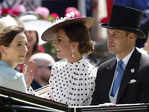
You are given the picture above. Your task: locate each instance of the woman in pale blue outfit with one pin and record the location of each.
(13, 49)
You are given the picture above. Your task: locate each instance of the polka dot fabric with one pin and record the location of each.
(72, 84)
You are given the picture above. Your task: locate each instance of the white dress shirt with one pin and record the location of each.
(125, 61)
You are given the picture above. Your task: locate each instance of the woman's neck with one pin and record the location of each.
(75, 58)
(13, 65)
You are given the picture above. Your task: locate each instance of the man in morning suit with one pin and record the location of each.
(124, 78)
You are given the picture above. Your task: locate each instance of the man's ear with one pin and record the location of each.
(132, 35)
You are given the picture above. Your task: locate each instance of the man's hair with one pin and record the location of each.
(42, 56)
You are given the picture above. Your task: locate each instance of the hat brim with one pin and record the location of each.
(140, 34)
(50, 33)
(38, 25)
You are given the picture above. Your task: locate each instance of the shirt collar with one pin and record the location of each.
(4, 63)
(126, 58)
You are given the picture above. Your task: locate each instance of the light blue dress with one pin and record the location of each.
(10, 78)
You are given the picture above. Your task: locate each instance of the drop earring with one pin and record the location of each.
(73, 53)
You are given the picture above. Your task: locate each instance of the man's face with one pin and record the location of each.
(118, 41)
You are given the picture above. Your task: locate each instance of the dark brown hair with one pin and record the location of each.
(35, 46)
(77, 32)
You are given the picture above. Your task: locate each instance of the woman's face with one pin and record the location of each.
(32, 38)
(16, 51)
(63, 45)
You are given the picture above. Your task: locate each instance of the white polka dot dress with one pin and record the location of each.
(72, 84)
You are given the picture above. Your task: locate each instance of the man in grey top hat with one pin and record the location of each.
(124, 78)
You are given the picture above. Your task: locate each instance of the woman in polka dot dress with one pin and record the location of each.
(72, 80)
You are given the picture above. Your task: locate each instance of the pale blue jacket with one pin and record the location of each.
(10, 78)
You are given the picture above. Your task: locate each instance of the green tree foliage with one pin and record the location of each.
(50, 49)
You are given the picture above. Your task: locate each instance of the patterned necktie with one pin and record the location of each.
(117, 81)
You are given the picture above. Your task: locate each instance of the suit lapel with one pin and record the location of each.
(109, 78)
(129, 73)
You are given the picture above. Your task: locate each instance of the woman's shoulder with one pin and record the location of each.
(60, 63)
(85, 66)
(86, 63)
(9, 73)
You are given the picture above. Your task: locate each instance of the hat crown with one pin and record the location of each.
(125, 16)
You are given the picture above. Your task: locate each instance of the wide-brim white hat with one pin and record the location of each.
(31, 22)
(38, 25)
(50, 33)
(9, 21)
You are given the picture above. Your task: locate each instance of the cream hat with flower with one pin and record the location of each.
(31, 22)
(50, 33)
